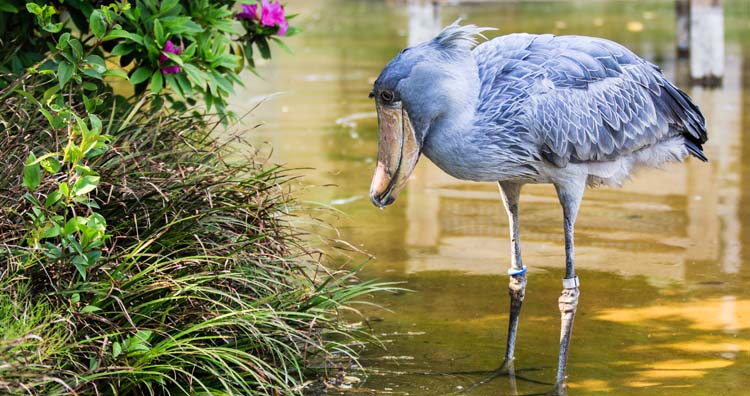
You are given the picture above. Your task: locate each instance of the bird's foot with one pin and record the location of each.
(506, 367)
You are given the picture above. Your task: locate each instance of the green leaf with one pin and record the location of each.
(52, 231)
(291, 31)
(174, 58)
(143, 335)
(64, 72)
(8, 8)
(93, 73)
(196, 75)
(167, 5)
(122, 49)
(140, 75)
(97, 222)
(119, 33)
(262, 44)
(209, 99)
(75, 298)
(88, 104)
(222, 82)
(34, 9)
(96, 60)
(51, 164)
(159, 32)
(64, 189)
(172, 83)
(97, 149)
(85, 185)
(97, 24)
(116, 73)
(53, 27)
(72, 225)
(54, 121)
(184, 84)
(96, 122)
(249, 54)
(53, 198)
(80, 264)
(157, 82)
(282, 45)
(32, 173)
(116, 349)
(63, 41)
(189, 51)
(75, 45)
(93, 257)
(90, 309)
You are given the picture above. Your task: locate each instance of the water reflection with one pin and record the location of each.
(425, 20)
(665, 261)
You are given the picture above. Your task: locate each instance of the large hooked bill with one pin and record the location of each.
(398, 153)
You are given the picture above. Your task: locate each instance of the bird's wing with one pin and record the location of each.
(583, 98)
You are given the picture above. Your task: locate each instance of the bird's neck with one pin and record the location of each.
(447, 143)
(464, 144)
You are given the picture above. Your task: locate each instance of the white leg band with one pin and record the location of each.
(570, 283)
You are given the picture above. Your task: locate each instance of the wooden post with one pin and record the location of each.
(425, 20)
(706, 42)
(682, 12)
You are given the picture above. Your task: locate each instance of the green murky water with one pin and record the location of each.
(664, 262)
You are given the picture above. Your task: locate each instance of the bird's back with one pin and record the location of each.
(581, 99)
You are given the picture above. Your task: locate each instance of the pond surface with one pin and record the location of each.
(664, 262)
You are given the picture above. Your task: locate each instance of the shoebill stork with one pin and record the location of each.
(572, 111)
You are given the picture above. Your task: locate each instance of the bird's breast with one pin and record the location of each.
(477, 160)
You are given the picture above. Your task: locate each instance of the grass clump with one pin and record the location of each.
(202, 287)
(139, 259)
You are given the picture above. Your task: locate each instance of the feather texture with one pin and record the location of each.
(580, 99)
(455, 36)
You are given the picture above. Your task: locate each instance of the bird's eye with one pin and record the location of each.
(386, 96)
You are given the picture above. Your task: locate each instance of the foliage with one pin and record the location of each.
(202, 286)
(34, 336)
(139, 260)
(77, 40)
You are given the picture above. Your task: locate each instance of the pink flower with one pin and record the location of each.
(249, 11)
(172, 49)
(272, 14)
(170, 69)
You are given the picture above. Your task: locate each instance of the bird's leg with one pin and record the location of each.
(570, 198)
(517, 287)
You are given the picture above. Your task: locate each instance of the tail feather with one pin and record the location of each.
(692, 120)
(696, 150)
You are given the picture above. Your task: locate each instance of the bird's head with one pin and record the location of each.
(423, 84)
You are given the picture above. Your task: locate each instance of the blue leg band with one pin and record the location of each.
(514, 272)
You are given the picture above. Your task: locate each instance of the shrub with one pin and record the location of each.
(193, 48)
(139, 260)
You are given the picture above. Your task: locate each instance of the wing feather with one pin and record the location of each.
(582, 98)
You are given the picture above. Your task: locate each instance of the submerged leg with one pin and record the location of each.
(570, 198)
(517, 286)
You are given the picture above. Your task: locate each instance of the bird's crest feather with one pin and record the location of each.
(455, 36)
